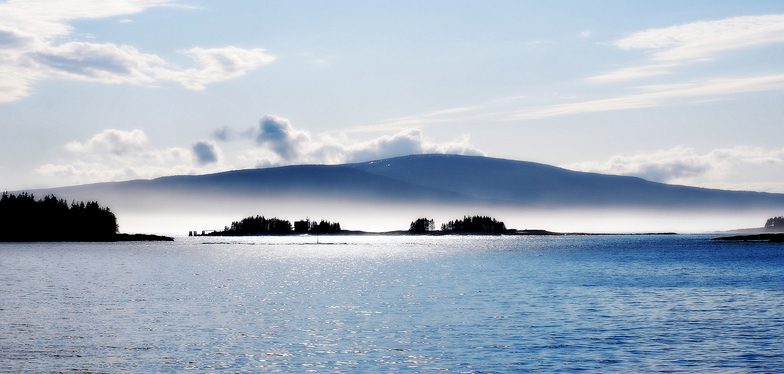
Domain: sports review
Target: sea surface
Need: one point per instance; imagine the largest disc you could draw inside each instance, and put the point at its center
(334, 304)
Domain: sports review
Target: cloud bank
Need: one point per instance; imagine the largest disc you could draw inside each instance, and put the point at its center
(30, 32)
(657, 95)
(115, 155)
(289, 145)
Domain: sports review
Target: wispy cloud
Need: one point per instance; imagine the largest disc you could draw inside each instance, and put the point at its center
(656, 95)
(29, 50)
(419, 120)
(702, 40)
(514, 109)
(636, 72)
(698, 41)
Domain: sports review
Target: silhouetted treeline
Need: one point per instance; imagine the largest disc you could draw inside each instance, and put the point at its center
(474, 224)
(775, 222)
(308, 226)
(259, 225)
(23, 218)
(422, 225)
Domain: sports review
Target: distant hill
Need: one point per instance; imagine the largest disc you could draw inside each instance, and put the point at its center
(532, 184)
(440, 179)
(482, 185)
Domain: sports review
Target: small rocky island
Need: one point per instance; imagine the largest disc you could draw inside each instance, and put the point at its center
(25, 219)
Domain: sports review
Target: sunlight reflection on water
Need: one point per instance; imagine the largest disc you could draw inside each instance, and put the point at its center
(414, 304)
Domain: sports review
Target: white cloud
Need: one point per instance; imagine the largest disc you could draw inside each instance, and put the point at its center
(702, 40)
(106, 63)
(29, 50)
(683, 165)
(404, 143)
(113, 155)
(219, 64)
(698, 41)
(113, 141)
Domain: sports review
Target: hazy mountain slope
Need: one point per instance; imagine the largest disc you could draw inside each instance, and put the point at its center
(530, 183)
(439, 179)
(312, 181)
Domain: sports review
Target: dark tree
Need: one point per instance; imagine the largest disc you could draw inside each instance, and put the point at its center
(324, 227)
(475, 224)
(775, 222)
(22, 218)
(308, 226)
(422, 225)
(302, 226)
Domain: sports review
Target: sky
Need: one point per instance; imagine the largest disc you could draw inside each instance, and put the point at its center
(682, 92)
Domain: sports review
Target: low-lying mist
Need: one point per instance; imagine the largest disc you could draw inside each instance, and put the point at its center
(174, 220)
(172, 212)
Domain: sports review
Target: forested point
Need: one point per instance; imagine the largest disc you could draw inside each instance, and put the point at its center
(23, 218)
(260, 225)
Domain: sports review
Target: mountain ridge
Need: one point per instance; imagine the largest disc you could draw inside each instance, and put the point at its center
(446, 179)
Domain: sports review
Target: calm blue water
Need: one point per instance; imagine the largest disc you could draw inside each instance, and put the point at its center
(385, 304)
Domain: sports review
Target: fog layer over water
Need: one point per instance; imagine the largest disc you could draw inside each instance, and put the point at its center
(390, 217)
(414, 304)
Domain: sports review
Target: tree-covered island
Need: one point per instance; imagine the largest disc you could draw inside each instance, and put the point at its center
(261, 226)
(25, 219)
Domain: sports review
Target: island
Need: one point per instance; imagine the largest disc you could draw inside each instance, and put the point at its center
(469, 225)
(25, 219)
(259, 225)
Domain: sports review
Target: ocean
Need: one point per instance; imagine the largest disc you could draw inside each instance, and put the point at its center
(334, 304)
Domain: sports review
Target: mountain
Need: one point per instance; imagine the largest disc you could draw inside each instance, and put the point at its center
(416, 181)
(531, 184)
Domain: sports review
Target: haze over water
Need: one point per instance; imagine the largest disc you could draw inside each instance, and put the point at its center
(411, 304)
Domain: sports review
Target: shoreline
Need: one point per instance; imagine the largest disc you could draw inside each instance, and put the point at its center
(113, 239)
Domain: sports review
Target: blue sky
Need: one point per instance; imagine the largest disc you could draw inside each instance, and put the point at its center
(672, 91)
